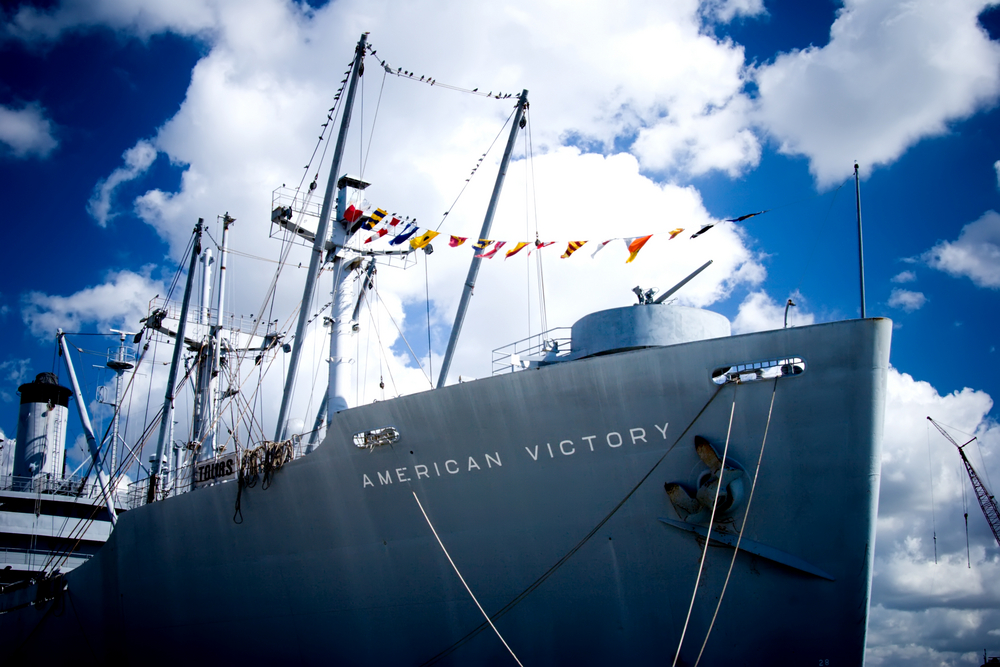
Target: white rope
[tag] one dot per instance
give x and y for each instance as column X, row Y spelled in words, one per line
column 753, row 486
column 708, row 535
column 462, row 579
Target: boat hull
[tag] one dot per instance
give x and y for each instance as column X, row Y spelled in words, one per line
column 546, row 487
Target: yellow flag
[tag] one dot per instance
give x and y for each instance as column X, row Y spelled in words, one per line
column 516, row 249
column 421, row 241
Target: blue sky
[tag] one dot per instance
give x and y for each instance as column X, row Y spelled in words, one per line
column 122, row 123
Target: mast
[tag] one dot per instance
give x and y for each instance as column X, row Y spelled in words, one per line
column 861, row 245
column 202, row 416
column 319, row 244
column 168, row 400
column 227, row 221
column 470, row 281
column 88, row 430
column 119, row 365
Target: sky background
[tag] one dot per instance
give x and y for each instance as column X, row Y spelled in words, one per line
column 123, row 122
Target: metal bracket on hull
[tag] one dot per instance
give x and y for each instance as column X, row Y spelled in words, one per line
column 756, row 548
column 759, row 370
column 387, row 435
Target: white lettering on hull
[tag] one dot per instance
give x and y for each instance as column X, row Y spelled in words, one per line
column 422, row 470
column 613, row 439
column 567, row 447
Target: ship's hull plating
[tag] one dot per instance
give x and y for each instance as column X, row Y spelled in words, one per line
column 334, row 563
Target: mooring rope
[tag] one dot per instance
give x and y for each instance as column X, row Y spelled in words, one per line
column 708, row 535
column 746, row 513
column 586, row 538
column 462, row 579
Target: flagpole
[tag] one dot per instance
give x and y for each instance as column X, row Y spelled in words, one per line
column 470, row 281
column 861, row 245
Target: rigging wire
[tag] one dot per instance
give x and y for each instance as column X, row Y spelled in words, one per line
column 403, row 74
column 382, row 348
column 979, row 449
column 371, row 134
column 427, row 301
column 965, row 508
column 406, row 342
column 542, row 305
column 930, row 473
column 475, row 170
column 527, row 231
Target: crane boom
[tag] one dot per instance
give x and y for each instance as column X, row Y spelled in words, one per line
column 986, row 501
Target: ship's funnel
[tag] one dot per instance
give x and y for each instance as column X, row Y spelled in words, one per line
column 41, row 427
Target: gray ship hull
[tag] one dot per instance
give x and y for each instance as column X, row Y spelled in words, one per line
column 334, row 562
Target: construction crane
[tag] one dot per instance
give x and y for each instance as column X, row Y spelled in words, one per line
column 986, row 500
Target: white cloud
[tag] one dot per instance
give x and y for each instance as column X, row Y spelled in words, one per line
column 249, row 119
column 904, row 277
column 26, row 131
column 892, row 74
column 32, row 24
column 726, row 10
column 138, row 160
column 996, row 166
column 610, row 71
column 121, row 303
column 13, row 373
column 248, row 123
column 947, row 606
column 974, row 255
column 759, row 312
column 906, row 300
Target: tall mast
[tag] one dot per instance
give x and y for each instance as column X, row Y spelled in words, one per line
column 168, row 400
column 227, row 221
column 119, row 365
column 861, row 245
column 203, row 405
column 470, row 281
column 319, row 244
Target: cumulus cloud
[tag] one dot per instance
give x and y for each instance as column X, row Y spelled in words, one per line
column 250, row 117
column 13, row 373
column 120, row 303
column 26, row 131
column 34, row 24
column 726, row 10
column 948, row 605
column 138, row 160
column 906, row 300
column 759, row 312
column 892, row 74
column 974, row 255
column 904, row 277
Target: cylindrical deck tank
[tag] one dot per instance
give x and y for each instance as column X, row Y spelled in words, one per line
column 647, row 325
column 41, row 427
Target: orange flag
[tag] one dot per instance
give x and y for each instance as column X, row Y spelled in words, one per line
column 675, row 232
column 635, row 245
